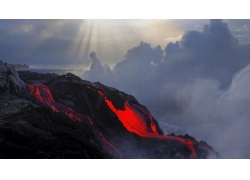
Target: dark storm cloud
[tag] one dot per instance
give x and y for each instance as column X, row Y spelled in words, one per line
column 200, row 83
column 38, row 42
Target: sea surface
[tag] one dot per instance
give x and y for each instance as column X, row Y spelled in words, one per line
column 78, row 72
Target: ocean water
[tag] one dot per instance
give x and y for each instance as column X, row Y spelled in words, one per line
column 78, row 72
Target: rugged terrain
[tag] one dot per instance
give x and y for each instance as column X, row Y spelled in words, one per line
column 52, row 116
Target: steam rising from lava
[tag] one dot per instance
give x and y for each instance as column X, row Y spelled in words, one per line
column 134, row 122
column 200, row 84
column 131, row 119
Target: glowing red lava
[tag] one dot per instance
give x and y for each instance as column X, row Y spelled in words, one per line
column 205, row 148
column 134, row 122
column 131, row 118
column 43, row 94
column 147, row 113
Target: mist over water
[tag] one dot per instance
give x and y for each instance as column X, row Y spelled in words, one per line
column 200, row 83
column 58, row 71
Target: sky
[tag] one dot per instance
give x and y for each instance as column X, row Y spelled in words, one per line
column 68, row 43
column 47, row 42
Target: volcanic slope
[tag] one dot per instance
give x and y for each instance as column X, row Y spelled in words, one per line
column 91, row 120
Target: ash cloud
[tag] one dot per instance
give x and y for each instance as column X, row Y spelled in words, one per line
column 200, row 83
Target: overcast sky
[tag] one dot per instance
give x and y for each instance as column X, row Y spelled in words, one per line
column 67, row 43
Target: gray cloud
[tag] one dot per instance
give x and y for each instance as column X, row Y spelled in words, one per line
column 41, row 42
column 240, row 28
column 67, row 43
column 98, row 71
column 199, row 83
column 210, row 53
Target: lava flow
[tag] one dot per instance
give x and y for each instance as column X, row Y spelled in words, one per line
column 134, row 122
column 43, row 94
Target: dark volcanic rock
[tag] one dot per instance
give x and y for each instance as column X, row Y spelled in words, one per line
column 79, row 123
column 9, row 79
column 36, row 133
column 34, row 77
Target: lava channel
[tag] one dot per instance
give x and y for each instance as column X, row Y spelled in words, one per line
column 134, row 122
column 43, row 94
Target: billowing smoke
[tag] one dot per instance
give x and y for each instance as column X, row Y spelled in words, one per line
column 201, row 84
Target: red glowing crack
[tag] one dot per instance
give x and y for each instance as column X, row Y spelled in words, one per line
column 205, row 148
column 43, row 94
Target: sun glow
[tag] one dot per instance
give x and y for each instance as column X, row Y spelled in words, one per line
column 111, row 38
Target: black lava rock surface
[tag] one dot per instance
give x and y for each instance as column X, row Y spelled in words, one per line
column 35, row 130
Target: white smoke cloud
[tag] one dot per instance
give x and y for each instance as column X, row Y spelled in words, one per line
column 98, row 71
column 219, row 116
column 200, row 83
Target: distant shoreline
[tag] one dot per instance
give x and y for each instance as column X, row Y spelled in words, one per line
column 20, row 66
column 60, row 71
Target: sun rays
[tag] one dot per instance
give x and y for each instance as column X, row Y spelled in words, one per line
column 112, row 38
column 70, row 41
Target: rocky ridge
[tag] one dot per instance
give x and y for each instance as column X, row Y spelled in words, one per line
column 9, row 79
column 35, row 128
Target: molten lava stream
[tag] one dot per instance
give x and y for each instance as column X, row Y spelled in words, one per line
column 147, row 113
column 134, row 122
column 43, row 94
column 205, row 148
